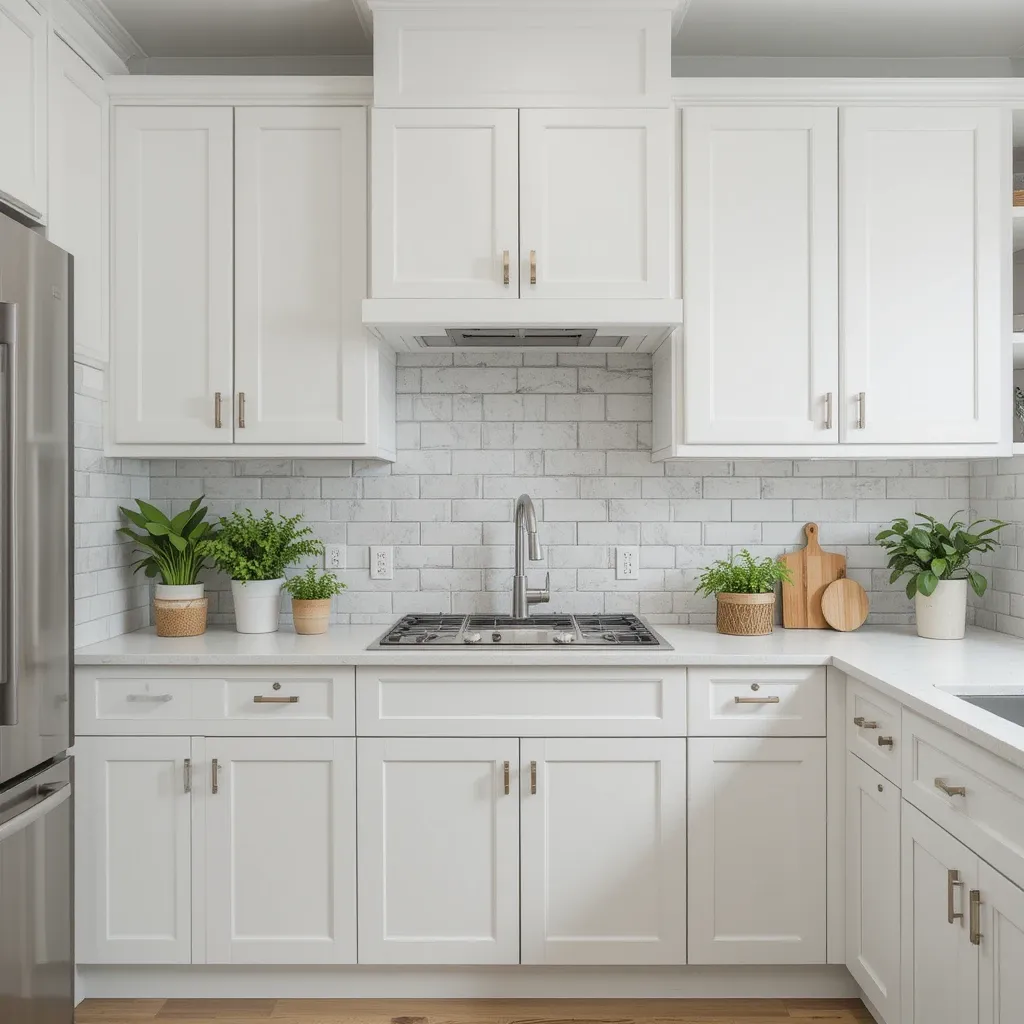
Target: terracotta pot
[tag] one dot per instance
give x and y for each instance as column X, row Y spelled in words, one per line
column 746, row 614
column 179, row 611
column 311, row 616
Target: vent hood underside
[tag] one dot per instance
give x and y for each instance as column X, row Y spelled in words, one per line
column 621, row 325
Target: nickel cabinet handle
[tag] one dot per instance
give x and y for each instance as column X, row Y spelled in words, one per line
column 828, row 411
column 885, row 741
column 149, row 698
column 214, row 776
column 241, row 409
column 533, row 266
column 505, row 267
column 217, row 403
column 862, row 416
column 862, row 723
column 188, row 774
column 756, row 700
column 952, row 882
column 505, row 768
column 950, row 790
column 260, row 699
column 533, row 778
column 975, row 921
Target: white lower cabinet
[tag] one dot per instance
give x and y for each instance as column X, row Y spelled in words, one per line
column 133, row 853
column 278, row 850
column 603, row 851
column 873, row 886
column 1001, row 952
column 438, row 851
column 756, row 851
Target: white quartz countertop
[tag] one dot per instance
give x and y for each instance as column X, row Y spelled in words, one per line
column 917, row 672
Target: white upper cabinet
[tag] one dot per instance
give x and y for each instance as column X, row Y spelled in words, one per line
column 280, row 873
column 78, row 207
column 595, row 203
column 760, row 275
column 172, row 331
column 924, row 216
column 301, row 352
column 445, row 203
column 23, row 39
column 603, row 851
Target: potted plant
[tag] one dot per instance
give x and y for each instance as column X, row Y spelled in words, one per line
column 311, row 600
column 255, row 553
column 937, row 557
column 745, row 593
column 176, row 549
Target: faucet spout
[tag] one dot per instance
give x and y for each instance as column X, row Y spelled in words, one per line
column 526, row 528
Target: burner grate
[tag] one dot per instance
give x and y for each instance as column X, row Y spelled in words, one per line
column 616, row 629
column 419, row 629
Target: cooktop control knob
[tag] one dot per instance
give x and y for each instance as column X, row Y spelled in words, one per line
column 472, row 638
column 496, row 638
column 564, row 638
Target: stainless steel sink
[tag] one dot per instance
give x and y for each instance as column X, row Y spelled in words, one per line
column 1009, row 706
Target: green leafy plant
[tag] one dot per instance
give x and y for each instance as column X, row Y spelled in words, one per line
column 176, row 547
column 746, row 576
column 933, row 551
column 248, row 549
column 311, row 587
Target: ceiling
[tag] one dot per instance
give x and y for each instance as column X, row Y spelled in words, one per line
column 711, row 28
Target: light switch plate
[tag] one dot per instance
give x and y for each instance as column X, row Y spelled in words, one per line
column 382, row 563
column 627, row 563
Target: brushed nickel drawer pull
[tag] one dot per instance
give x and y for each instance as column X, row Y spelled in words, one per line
column 214, row 776
column 533, row 266
column 188, row 774
column 828, row 411
column 862, row 723
column 885, row 741
column 862, row 404
column 505, row 267
column 975, row 922
column 757, row 700
column 533, row 778
column 217, row 421
column 952, row 882
column 950, row 790
column 241, row 409
column 505, row 766
column 260, row 699
column 149, row 698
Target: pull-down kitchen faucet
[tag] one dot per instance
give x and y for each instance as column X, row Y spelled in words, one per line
column 526, row 527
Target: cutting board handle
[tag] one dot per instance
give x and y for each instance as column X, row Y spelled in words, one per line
column 813, row 547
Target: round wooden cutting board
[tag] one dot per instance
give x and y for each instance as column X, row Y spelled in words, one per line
column 844, row 605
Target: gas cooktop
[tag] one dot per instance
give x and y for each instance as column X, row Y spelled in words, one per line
column 534, row 631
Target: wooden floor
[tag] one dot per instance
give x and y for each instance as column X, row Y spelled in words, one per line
column 471, row 1011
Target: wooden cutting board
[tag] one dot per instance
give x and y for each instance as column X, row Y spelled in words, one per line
column 844, row 605
column 813, row 570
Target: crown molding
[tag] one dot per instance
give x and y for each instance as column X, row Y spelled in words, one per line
column 240, row 91
column 97, row 16
column 365, row 16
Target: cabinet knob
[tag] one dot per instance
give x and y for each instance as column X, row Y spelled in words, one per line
column 885, row 741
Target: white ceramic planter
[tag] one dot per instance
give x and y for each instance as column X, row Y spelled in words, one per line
column 943, row 615
column 257, row 605
column 165, row 592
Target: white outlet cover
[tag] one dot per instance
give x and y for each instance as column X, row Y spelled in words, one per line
column 382, row 563
column 627, row 563
column 334, row 556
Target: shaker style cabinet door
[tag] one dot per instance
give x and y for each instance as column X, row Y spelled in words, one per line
column 939, row 964
column 438, row 851
column 873, row 886
column 760, row 275
column 603, row 851
column 595, row 203
column 23, row 38
column 756, row 851
column 445, row 203
column 279, row 850
column 78, row 208
column 1000, row 948
column 133, row 857
column 301, row 352
column 172, row 296
column 924, row 230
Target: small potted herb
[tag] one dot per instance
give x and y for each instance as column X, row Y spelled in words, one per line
column 311, row 599
column 175, row 552
column 255, row 553
column 745, row 593
column 937, row 557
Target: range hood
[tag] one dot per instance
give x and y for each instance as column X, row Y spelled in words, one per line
column 620, row 325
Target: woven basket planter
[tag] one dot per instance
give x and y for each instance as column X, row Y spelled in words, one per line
column 746, row 614
column 179, row 611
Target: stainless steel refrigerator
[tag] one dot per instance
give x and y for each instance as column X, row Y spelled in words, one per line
column 36, row 967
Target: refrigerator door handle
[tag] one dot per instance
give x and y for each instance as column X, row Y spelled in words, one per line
column 50, row 799
column 8, row 684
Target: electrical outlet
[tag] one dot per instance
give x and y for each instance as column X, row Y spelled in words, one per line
column 334, row 556
column 382, row 563
column 627, row 563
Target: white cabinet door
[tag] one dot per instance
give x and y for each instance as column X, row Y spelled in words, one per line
column 438, row 851
column 78, row 208
column 760, row 275
column 756, row 851
column 279, row 851
column 873, row 886
column 445, row 203
column 939, row 965
column 132, row 850
column 924, row 216
column 603, row 851
column 1001, row 949
column 595, row 203
column 172, row 295
column 301, row 353
column 23, row 37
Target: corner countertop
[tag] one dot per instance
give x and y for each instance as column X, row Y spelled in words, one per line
column 919, row 673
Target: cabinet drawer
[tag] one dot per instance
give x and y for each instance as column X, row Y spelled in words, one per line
column 873, row 729
column 136, row 697
column 756, row 701
column 988, row 816
column 534, row 701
